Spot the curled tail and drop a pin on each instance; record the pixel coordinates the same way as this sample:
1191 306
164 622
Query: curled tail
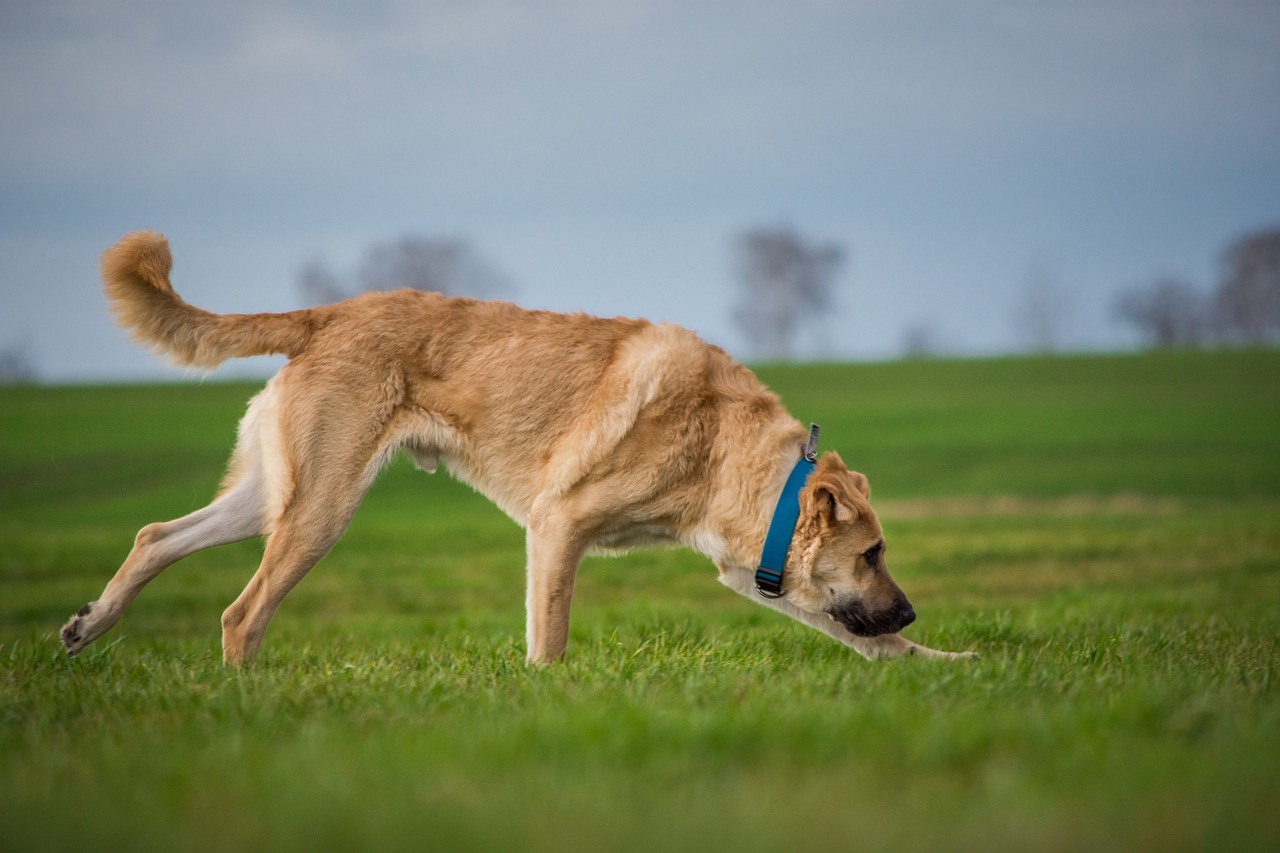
135 276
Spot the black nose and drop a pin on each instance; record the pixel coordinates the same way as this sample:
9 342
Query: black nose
906 615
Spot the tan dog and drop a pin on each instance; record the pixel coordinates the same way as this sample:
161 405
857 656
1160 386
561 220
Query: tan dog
594 434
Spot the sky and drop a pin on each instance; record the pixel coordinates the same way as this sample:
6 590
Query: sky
604 156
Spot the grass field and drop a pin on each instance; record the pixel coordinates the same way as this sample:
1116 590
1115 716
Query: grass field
1105 531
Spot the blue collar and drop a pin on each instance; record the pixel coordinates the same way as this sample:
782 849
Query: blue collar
773 557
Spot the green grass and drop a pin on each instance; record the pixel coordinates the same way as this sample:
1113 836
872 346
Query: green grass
1105 531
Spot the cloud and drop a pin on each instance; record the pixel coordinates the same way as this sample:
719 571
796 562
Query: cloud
511 94
950 146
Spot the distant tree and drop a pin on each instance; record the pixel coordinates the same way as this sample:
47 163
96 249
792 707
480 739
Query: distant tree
1168 311
921 340
1248 297
447 266
16 365
1043 313
786 283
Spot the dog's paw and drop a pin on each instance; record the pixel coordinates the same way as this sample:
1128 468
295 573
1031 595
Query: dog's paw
954 656
75 634
935 654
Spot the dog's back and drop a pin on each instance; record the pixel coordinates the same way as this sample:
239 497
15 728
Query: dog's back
518 402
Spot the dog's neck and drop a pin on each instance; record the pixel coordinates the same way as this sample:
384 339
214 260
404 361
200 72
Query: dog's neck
745 495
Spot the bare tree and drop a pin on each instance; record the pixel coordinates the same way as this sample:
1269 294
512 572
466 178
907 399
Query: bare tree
1248 298
921 340
1044 312
1168 311
787 283
16 365
442 265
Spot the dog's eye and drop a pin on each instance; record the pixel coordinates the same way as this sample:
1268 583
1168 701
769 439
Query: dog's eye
872 554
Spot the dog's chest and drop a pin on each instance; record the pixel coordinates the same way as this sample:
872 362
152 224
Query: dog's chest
644 535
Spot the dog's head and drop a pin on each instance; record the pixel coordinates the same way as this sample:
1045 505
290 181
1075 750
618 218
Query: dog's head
837 562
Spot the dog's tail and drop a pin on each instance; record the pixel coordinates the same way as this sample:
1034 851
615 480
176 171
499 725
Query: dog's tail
135 276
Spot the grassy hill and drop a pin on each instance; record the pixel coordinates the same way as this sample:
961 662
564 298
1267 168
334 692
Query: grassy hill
1105 531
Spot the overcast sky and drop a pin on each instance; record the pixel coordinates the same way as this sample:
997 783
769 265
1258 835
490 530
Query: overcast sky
604 155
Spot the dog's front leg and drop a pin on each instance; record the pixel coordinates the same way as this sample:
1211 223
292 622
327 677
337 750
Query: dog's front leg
554 552
872 648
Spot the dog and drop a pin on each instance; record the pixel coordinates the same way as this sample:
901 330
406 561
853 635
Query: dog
595 435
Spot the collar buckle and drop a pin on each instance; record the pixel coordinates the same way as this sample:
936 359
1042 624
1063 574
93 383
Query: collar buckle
811 446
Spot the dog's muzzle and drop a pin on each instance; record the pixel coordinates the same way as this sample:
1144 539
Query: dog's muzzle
854 616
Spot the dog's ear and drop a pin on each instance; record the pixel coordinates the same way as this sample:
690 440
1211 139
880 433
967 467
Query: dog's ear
860 483
833 493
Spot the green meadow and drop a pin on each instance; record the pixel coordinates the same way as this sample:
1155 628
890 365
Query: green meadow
1104 531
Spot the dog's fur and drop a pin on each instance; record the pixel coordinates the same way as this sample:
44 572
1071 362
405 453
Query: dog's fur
594 434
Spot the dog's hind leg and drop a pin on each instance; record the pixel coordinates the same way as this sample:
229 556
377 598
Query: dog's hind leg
234 516
334 462
304 534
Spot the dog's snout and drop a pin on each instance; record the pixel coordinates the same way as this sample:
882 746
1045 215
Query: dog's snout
855 616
